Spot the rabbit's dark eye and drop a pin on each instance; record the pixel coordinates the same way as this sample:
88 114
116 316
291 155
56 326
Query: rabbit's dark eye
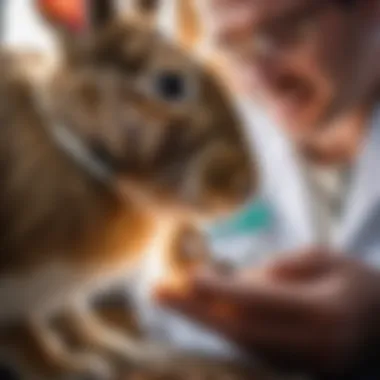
171 86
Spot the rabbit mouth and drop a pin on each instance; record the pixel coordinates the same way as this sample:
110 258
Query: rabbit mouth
219 179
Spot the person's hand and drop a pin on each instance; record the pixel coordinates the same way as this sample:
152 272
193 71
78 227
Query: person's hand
312 311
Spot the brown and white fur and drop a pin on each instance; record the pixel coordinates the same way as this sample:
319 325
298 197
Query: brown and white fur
95 153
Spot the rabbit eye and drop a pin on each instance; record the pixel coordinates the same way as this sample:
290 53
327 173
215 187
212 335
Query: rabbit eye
171 86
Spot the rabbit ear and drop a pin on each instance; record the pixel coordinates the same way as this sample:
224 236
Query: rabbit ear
75 21
76 16
189 31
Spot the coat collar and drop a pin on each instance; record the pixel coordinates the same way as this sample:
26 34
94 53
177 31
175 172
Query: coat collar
286 185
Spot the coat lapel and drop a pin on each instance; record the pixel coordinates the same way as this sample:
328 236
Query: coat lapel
364 194
283 179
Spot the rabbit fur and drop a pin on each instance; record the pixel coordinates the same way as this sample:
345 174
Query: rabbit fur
99 145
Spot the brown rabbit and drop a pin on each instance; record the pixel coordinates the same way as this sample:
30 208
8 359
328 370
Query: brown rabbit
98 146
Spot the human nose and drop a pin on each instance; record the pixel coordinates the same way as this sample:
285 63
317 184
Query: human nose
258 66
236 32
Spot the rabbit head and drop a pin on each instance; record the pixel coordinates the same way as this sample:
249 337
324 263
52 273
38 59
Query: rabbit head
156 121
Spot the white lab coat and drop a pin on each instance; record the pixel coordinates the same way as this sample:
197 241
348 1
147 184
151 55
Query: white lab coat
285 189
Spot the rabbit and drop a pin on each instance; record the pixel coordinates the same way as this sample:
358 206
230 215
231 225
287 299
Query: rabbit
102 143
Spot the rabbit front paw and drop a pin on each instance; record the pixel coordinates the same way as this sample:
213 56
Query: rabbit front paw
59 362
86 367
91 331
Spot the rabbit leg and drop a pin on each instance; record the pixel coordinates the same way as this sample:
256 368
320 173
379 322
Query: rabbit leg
96 333
59 359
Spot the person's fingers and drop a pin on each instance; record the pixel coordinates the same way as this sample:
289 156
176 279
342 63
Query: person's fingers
249 331
220 317
260 297
266 297
306 266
